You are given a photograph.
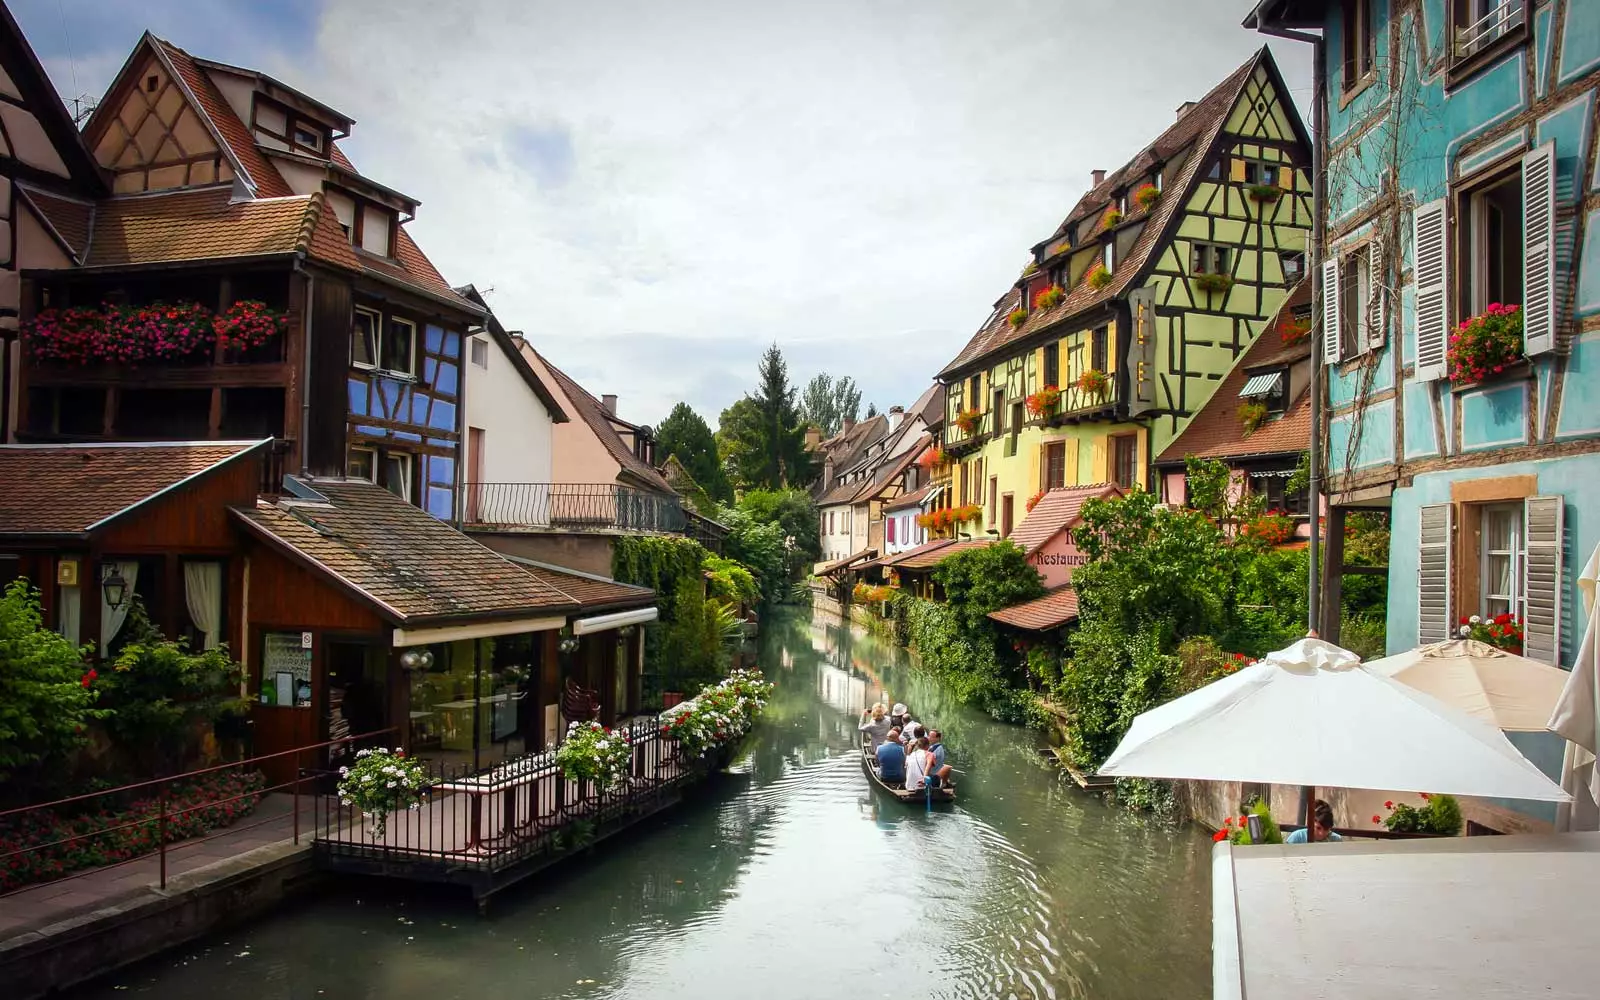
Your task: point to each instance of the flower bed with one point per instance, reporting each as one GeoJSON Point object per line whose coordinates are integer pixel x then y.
{"type": "Point", "coordinates": [1043, 401]}
{"type": "Point", "coordinates": [1051, 296]}
{"type": "Point", "coordinates": [1146, 196]}
{"type": "Point", "coordinates": [380, 783]}
{"type": "Point", "coordinates": [592, 752]}
{"type": "Point", "coordinates": [1098, 277]}
{"type": "Point", "coordinates": [1485, 345]}
{"type": "Point", "coordinates": [57, 844]}
{"type": "Point", "coordinates": [864, 593]}
{"type": "Point", "coordinates": [1503, 631]}
{"type": "Point", "coordinates": [161, 332]}
{"type": "Point", "coordinates": [1094, 382]}
{"type": "Point", "coordinates": [720, 714]}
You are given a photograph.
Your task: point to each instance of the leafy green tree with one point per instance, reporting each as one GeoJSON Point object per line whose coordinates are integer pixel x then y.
{"type": "Point", "coordinates": [828, 403]}
{"type": "Point", "coordinates": [978, 581]}
{"type": "Point", "coordinates": [758, 544]}
{"type": "Point", "coordinates": [47, 695]}
{"type": "Point", "coordinates": [795, 512]}
{"type": "Point", "coordinates": [762, 436]}
{"type": "Point", "coordinates": [687, 436]}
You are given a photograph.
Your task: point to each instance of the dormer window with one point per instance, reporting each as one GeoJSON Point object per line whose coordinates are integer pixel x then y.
{"type": "Point", "coordinates": [1108, 255]}
{"type": "Point", "coordinates": [1122, 202]}
{"type": "Point", "coordinates": [1270, 388]}
{"type": "Point", "coordinates": [309, 138]}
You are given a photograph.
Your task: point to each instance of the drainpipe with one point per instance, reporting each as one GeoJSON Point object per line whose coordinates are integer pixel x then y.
{"type": "Point", "coordinates": [305, 373]}
{"type": "Point", "coordinates": [1319, 194]}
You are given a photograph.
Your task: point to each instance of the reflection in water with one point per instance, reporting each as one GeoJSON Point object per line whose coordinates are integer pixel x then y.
{"type": "Point", "coordinates": [786, 879]}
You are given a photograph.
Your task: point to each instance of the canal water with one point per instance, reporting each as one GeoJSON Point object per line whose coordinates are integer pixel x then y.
{"type": "Point", "coordinates": [787, 878]}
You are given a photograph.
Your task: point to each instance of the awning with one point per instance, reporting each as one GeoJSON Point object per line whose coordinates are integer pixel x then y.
{"type": "Point", "coordinates": [1041, 614]}
{"type": "Point", "coordinates": [1261, 385]}
{"type": "Point", "coordinates": [451, 633]}
{"type": "Point", "coordinates": [619, 619]}
{"type": "Point", "coordinates": [827, 569]}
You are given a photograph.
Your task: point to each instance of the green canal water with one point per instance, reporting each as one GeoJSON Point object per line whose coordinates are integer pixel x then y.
{"type": "Point", "coordinates": [785, 879]}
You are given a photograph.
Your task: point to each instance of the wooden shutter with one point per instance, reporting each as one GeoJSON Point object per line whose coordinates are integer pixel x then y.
{"type": "Point", "coordinates": [1378, 304]}
{"type": "Point", "coordinates": [1332, 343]}
{"type": "Point", "coordinates": [1539, 298]}
{"type": "Point", "coordinates": [1435, 622]}
{"type": "Point", "coordinates": [1431, 272]}
{"type": "Point", "coordinates": [1541, 579]}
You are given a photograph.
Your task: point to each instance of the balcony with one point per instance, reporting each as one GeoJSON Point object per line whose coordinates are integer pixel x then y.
{"type": "Point", "coordinates": [604, 508]}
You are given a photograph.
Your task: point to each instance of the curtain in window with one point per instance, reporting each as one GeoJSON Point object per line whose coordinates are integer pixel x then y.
{"type": "Point", "coordinates": [202, 591]}
{"type": "Point", "coordinates": [111, 619]}
{"type": "Point", "coordinates": [69, 614]}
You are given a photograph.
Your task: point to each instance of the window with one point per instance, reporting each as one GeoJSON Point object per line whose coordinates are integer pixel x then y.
{"type": "Point", "coordinates": [1098, 349]}
{"type": "Point", "coordinates": [976, 388]}
{"type": "Point", "coordinates": [1122, 202]}
{"type": "Point", "coordinates": [1055, 465]}
{"type": "Point", "coordinates": [1478, 24]}
{"type": "Point", "coordinates": [1489, 245]}
{"type": "Point", "coordinates": [997, 412]}
{"type": "Point", "coordinates": [1214, 172]}
{"type": "Point", "coordinates": [399, 346]}
{"type": "Point", "coordinates": [1208, 258]}
{"type": "Point", "coordinates": [1294, 267]}
{"type": "Point", "coordinates": [1052, 366]}
{"type": "Point", "coordinates": [1259, 172]}
{"type": "Point", "coordinates": [362, 463]}
{"type": "Point", "coordinates": [1125, 460]}
{"type": "Point", "coordinates": [364, 338]}
{"type": "Point", "coordinates": [480, 352]}
{"type": "Point", "coordinates": [376, 230]}
{"type": "Point", "coordinates": [1353, 293]}
{"type": "Point", "coordinates": [1270, 487]}
{"type": "Point", "coordinates": [830, 522]}
{"type": "Point", "coordinates": [1356, 38]}
{"type": "Point", "coordinates": [310, 138]}
{"type": "Point", "coordinates": [397, 474]}
{"type": "Point", "coordinates": [1269, 388]}
{"type": "Point", "coordinates": [1108, 255]}
{"type": "Point", "coordinates": [1499, 560]}
{"type": "Point", "coordinates": [994, 497]}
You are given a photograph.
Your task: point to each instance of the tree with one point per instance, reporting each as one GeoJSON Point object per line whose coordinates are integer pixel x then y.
{"type": "Point", "coordinates": [987, 579]}
{"type": "Point", "coordinates": [828, 403]}
{"type": "Point", "coordinates": [47, 694]}
{"type": "Point", "coordinates": [762, 436]}
{"type": "Point", "coordinates": [872, 410]}
{"type": "Point", "coordinates": [740, 443]}
{"type": "Point", "coordinates": [794, 512]}
{"type": "Point", "coordinates": [687, 436]}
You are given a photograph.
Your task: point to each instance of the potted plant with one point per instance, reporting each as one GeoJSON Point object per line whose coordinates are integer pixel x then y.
{"type": "Point", "coordinates": [1439, 815]}
{"type": "Point", "coordinates": [1111, 219]}
{"type": "Point", "coordinates": [1252, 414]}
{"type": "Point", "coordinates": [1146, 196]}
{"type": "Point", "coordinates": [1213, 283]}
{"type": "Point", "coordinates": [1098, 277]}
{"type": "Point", "coordinates": [1094, 382]}
{"type": "Point", "coordinates": [1263, 194]}
{"type": "Point", "coordinates": [967, 420]}
{"type": "Point", "coordinates": [932, 458]}
{"type": "Point", "coordinates": [1503, 631]}
{"type": "Point", "coordinates": [969, 512]}
{"type": "Point", "coordinates": [380, 783]}
{"type": "Point", "coordinates": [246, 325]}
{"type": "Point", "coordinates": [1240, 833]}
{"type": "Point", "coordinates": [1017, 316]}
{"type": "Point", "coordinates": [1486, 346]}
{"type": "Point", "coordinates": [1049, 297]}
{"type": "Point", "coordinates": [1044, 401]}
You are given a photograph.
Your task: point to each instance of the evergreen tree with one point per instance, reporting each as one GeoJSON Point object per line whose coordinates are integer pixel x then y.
{"type": "Point", "coordinates": [762, 436]}
{"type": "Point", "coordinates": [687, 436]}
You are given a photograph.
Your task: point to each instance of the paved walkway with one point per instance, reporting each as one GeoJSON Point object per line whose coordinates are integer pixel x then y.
{"type": "Point", "coordinates": [46, 904]}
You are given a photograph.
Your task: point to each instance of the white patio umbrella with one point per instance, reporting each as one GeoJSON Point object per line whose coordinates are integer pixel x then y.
{"type": "Point", "coordinates": [1577, 715]}
{"type": "Point", "coordinates": [1312, 715]}
{"type": "Point", "coordinates": [1503, 689]}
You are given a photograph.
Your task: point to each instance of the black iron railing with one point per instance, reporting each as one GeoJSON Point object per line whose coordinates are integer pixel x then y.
{"type": "Point", "coordinates": [572, 507]}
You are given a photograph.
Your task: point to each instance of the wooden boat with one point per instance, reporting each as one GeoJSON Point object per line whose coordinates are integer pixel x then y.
{"type": "Point", "coordinates": [869, 766]}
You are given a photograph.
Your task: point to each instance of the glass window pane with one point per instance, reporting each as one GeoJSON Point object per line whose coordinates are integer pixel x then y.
{"type": "Point", "coordinates": [397, 475]}
{"type": "Point", "coordinates": [1497, 573]}
{"type": "Point", "coordinates": [397, 345]}
{"type": "Point", "coordinates": [363, 339]}
{"type": "Point", "coordinates": [1498, 526]}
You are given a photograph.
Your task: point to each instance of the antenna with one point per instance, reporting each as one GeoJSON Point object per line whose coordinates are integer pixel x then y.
{"type": "Point", "coordinates": [82, 107]}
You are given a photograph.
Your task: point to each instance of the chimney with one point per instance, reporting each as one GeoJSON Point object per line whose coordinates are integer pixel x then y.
{"type": "Point", "coordinates": [1099, 177]}
{"type": "Point", "coordinates": [1185, 108]}
{"type": "Point", "coordinates": [608, 403]}
{"type": "Point", "coordinates": [849, 425]}
{"type": "Point", "coordinates": [517, 336]}
{"type": "Point", "coordinates": [896, 414]}
{"type": "Point", "coordinates": [813, 437]}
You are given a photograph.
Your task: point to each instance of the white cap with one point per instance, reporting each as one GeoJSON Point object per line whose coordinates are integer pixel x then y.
{"type": "Point", "coordinates": [899, 709]}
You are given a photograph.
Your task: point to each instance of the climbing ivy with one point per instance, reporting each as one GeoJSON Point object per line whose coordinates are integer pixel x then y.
{"type": "Point", "coordinates": [659, 562]}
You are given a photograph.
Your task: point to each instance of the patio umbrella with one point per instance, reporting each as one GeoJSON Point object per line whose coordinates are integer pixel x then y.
{"type": "Point", "coordinates": [1577, 713]}
{"type": "Point", "coordinates": [1312, 715]}
{"type": "Point", "coordinates": [1503, 689]}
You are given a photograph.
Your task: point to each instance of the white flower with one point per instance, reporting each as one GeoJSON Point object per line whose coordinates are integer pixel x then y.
{"type": "Point", "coordinates": [1466, 630]}
{"type": "Point", "coordinates": [393, 784]}
{"type": "Point", "coordinates": [344, 772]}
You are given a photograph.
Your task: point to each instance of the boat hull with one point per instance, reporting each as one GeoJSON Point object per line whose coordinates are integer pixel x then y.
{"type": "Point", "coordinates": [869, 767]}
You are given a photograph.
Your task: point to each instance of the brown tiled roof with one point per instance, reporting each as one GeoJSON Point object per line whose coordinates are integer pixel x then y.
{"type": "Point", "coordinates": [594, 414]}
{"type": "Point", "coordinates": [53, 489]}
{"type": "Point", "coordinates": [1042, 613]}
{"type": "Point", "coordinates": [1056, 510]}
{"type": "Point", "coordinates": [268, 182]}
{"type": "Point", "coordinates": [1198, 126]}
{"type": "Point", "coordinates": [205, 223]}
{"type": "Point", "coordinates": [928, 556]}
{"type": "Point", "coordinates": [1215, 432]}
{"type": "Point", "coordinates": [912, 499]}
{"type": "Point", "coordinates": [591, 593]}
{"type": "Point", "coordinates": [893, 470]}
{"type": "Point", "coordinates": [823, 569]}
{"type": "Point", "coordinates": [71, 219]}
{"type": "Point", "coordinates": [408, 563]}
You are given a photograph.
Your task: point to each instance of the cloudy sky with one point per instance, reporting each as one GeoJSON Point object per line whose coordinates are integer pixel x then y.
{"type": "Point", "coordinates": [656, 191]}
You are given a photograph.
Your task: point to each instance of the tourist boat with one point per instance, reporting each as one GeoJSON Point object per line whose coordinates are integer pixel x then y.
{"type": "Point", "coordinates": [869, 765]}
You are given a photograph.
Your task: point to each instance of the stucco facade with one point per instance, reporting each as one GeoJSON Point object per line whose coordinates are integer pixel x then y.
{"type": "Point", "coordinates": [509, 429]}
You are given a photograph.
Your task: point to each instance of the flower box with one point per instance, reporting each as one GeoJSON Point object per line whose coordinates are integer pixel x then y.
{"type": "Point", "coordinates": [932, 458]}
{"type": "Point", "coordinates": [1044, 401]}
{"type": "Point", "coordinates": [1051, 296]}
{"type": "Point", "coordinates": [1486, 347]}
{"type": "Point", "coordinates": [1033, 501]}
{"type": "Point", "coordinates": [1098, 277]}
{"type": "Point", "coordinates": [967, 420]}
{"type": "Point", "coordinates": [1263, 194]}
{"type": "Point", "coordinates": [1251, 416]}
{"type": "Point", "coordinates": [1017, 316]}
{"type": "Point", "coordinates": [1094, 383]}
{"type": "Point", "coordinates": [162, 332]}
{"type": "Point", "coordinates": [1213, 284]}
{"type": "Point", "coordinates": [1291, 332]}
{"type": "Point", "coordinates": [1111, 219]}
{"type": "Point", "coordinates": [1147, 196]}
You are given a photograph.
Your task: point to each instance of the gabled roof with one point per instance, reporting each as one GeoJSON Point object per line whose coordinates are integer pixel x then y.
{"type": "Point", "coordinates": [929, 406]}
{"type": "Point", "coordinates": [593, 413]}
{"type": "Point", "coordinates": [1056, 511]}
{"type": "Point", "coordinates": [1197, 130]}
{"type": "Point", "coordinates": [409, 565]}
{"type": "Point", "coordinates": [67, 219]}
{"type": "Point", "coordinates": [32, 85]}
{"type": "Point", "coordinates": [892, 470]}
{"type": "Point", "coordinates": [1215, 432]}
{"type": "Point", "coordinates": [912, 499]}
{"type": "Point", "coordinates": [232, 136]}
{"type": "Point", "coordinates": [826, 569]}
{"type": "Point", "coordinates": [513, 354]}
{"type": "Point", "coordinates": [75, 489]}
{"type": "Point", "coordinates": [1041, 614]}
{"type": "Point", "coordinates": [931, 554]}
{"type": "Point", "coordinates": [339, 120]}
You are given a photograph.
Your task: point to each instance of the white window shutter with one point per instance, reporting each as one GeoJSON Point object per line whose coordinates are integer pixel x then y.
{"type": "Point", "coordinates": [1541, 579]}
{"type": "Point", "coordinates": [1431, 272]}
{"type": "Point", "coordinates": [1332, 344]}
{"type": "Point", "coordinates": [1539, 298]}
{"type": "Point", "coordinates": [1378, 304]}
{"type": "Point", "coordinates": [1436, 538]}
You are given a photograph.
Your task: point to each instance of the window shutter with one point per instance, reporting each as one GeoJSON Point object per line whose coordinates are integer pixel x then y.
{"type": "Point", "coordinates": [1378, 304]}
{"type": "Point", "coordinates": [1541, 579]}
{"type": "Point", "coordinates": [1434, 573]}
{"type": "Point", "coordinates": [1431, 272]}
{"type": "Point", "coordinates": [1331, 345]}
{"type": "Point", "coordinates": [1539, 298]}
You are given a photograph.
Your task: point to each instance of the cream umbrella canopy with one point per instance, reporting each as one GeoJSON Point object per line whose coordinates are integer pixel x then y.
{"type": "Point", "coordinates": [1312, 715]}
{"type": "Point", "coordinates": [1503, 689]}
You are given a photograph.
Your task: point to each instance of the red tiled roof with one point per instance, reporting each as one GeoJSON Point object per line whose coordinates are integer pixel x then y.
{"type": "Point", "coordinates": [592, 593]}
{"type": "Point", "coordinates": [929, 555]}
{"type": "Point", "coordinates": [594, 414]}
{"type": "Point", "coordinates": [911, 499]}
{"type": "Point", "coordinates": [54, 489]}
{"type": "Point", "coordinates": [268, 182]}
{"type": "Point", "coordinates": [1215, 432]}
{"type": "Point", "coordinates": [69, 217]}
{"type": "Point", "coordinates": [1056, 510]}
{"type": "Point", "coordinates": [1042, 613]}
{"type": "Point", "coordinates": [1198, 126]}
{"type": "Point", "coordinates": [399, 557]}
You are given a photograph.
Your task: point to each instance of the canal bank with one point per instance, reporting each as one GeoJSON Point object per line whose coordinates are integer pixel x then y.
{"type": "Point", "coordinates": [790, 878]}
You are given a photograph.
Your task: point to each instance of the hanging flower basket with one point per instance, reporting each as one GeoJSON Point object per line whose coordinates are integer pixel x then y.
{"type": "Point", "coordinates": [1044, 401]}
{"type": "Point", "coordinates": [1017, 317]}
{"type": "Point", "coordinates": [1251, 416]}
{"type": "Point", "coordinates": [1146, 196]}
{"type": "Point", "coordinates": [1098, 276]}
{"type": "Point", "coordinates": [1051, 296]}
{"type": "Point", "coordinates": [1486, 345]}
{"type": "Point", "coordinates": [380, 783]}
{"type": "Point", "coordinates": [1263, 194]}
{"type": "Point", "coordinates": [967, 420]}
{"type": "Point", "coordinates": [1111, 219]}
{"type": "Point", "coordinates": [592, 752]}
{"type": "Point", "coordinates": [1094, 382]}
{"type": "Point", "coordinates": [1033, 501]}
{"type": "Point", "coordinates": [1213, 284]}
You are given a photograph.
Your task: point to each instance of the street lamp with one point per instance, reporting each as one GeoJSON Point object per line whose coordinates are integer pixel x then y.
{"type": "Point", "coordinates": [114, 587]}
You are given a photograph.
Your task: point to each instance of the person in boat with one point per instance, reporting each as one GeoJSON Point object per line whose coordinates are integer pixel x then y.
{"type": "Point", "coordinates": [899, 716]}
{"type": "Point", "coordinates": [891, 759]}
{"type": "Point", "coordinates": [912, 731]}
{"type": "Point", "coordinates": [1322, 824]}
{"type": "Point", "coordinates": [939, 771]}
{"type": "Point", "coordinates": [875, 723]}
{"type": "Point", "coordinates": [918, 764]}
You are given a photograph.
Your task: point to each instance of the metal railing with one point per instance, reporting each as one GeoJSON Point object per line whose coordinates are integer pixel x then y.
{"type": "Point", "coordinates": [573, 507]}
{"type": "Point", "coordinates": [1491, 27]}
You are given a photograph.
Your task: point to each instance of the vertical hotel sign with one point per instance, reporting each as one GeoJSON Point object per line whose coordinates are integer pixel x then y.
{"type": "Point", "coordinates": [1142, 352]}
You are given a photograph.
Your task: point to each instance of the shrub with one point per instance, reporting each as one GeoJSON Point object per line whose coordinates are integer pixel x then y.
{"type": "Point", "coordinates": [1272, 528]}
{"type": "Point", "coordinates": [1483, 346]}
{"type": "Point", "coordinates": [1098, 277]}
{"type": "Point", "coordinates": [731, 582]}
{"type": "Point", "coordinates": [1148, 795]}
{"type": "Point", "coordinates": [986, 579]}
{"type": "Point", "coordinates": [592, 752]}
{"type": "Point", "coordinates": [1440, 816]}
{"type": "Point", "coordinates": [1252, 415]}
{"type": "Point", "coordinates": [47, 696]}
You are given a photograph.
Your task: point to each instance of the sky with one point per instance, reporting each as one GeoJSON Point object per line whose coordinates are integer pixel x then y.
{"type": "Point", "coordinates": [656, 192]}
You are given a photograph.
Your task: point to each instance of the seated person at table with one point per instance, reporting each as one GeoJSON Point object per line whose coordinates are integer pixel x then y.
{"type": "Point", "coordinates": [1322, 821]}
{"type": "Point", "coordinates": [892, 759]}
{"type": "Point", "coordinates": [918, 762]}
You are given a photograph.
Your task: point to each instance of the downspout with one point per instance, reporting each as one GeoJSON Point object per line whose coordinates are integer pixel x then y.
{"type": "Point", "coordinates": [461, 427]}
{"type": "Point", "coordinates": [305, 374]}
{"type": "Point", "coordinates": [1319, 194]}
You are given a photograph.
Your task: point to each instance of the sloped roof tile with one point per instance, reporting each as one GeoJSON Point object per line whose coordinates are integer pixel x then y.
{"type": "Point", "coordinates": [206, 223]}
{"type": "Point", "coordinates": [1042, 613]}
{"type": "Point", "coordinates": [268, 182]}
{"type": "Point", "coordinates": [591, 593]}
{"type": "Point", "coordinates": [71, 218]}
{"type": "Point", "coordinates": [1056, 510]}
